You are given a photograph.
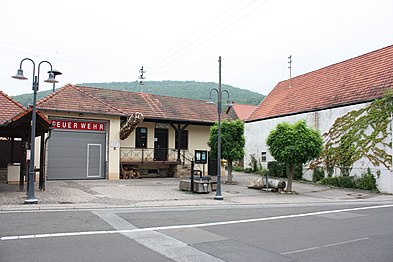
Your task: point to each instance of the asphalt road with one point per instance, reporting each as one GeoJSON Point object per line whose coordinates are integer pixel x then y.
{"type": "Point", "coordinates": [293, 232]}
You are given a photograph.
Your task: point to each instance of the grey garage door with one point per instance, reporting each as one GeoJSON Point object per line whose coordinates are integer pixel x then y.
{"type": "Point", "coordinates": [76, 155]}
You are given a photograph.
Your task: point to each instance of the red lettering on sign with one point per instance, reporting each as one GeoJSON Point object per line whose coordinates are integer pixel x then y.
{"type": "Point", "coordinates": [78, 125]}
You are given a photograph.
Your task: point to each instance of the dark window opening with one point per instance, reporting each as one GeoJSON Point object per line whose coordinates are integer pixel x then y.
{"type": "Point", "coordinates": [183, 140]}
{"type": "Point", "coordinates": [263, 157]}
{"type": "Point", "coordinates": [141, 137]}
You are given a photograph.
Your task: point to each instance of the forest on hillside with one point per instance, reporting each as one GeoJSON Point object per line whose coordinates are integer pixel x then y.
{"type": "Point", "coordinates": [186, 89]}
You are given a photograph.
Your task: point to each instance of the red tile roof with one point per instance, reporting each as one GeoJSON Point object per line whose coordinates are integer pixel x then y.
{"type": "Point", "coordinates": [72, 98]}
{"type": "Point", "coordinates": [243, 111]}
{"type": "Point", "coordinates": [9, 108]}
{"type": "Point", "coordinates": [15, 119]}
{"type": "Point", "coordinates": [359, 79]}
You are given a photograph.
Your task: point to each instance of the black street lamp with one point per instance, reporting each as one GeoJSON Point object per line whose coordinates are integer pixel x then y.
{"type": "Point", "coordinates": [30, 187]}
{"type": "Point", "coordinates": [218, 195]}
{"type": "Point", "coordinates": [55, 73]}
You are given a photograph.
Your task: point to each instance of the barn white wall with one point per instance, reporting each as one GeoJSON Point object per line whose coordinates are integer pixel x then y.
{"type": "Point", "coordinates": [257, 132]}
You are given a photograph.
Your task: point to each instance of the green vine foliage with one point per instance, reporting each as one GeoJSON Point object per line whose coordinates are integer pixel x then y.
{"type": "Point", "coordinates": [360, 133]}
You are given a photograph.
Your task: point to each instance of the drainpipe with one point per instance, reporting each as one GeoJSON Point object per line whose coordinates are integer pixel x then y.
{"type": "Point", "coordinates": [45, 160]}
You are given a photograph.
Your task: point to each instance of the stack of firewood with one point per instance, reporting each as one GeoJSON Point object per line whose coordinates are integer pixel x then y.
{"type": "Point", "coordinates": [129, 173]}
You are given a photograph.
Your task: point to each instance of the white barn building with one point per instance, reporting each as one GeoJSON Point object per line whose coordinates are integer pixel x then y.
{"type": "Point", "coordinates": [320, 97]}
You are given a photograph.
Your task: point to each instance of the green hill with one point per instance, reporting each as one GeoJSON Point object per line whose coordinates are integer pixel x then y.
{"type": "Point", "coordinates": [187, 89]}
{"type": "Point", "coordinates": [27, 99]}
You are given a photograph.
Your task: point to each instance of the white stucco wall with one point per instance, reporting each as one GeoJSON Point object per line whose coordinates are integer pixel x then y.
{"type": "Point", "coordinates": [113, 149]}
{"type": "Point", "coordinates": [257, 132]}
{"type": "Point", "coordinates": [198, 137]}
{"type": "Point", "coordinates": [130, 140]}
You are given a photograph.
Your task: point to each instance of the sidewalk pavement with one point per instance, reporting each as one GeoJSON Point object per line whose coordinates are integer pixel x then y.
{"type": "Point", "coordinates": [164, 192]}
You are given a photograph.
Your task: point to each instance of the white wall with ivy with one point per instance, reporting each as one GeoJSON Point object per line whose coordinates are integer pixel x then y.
{"type": "Point", "coordinates": [257, 132]}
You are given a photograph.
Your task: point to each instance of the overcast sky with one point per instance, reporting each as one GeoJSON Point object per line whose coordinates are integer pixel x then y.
{"type": "Point", "coordinates": [108, 41]}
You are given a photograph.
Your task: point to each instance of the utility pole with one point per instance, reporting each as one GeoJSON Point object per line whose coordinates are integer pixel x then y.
{"type": "Point", "coordinates": [219, 91]}
{"type": "Point", "coordinates": [218, 195]}
{"type": "Point", "coordinates": [141, 77]}
{"type": "Point", "coordinates": [290, 70]}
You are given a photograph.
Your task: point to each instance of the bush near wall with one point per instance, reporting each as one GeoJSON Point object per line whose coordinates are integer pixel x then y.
{"type": "Point", "coordinates": [365, 182]}
{"type": "Point", "coordinates": [277, 169]}
{"type": "Point", "coordinates": [238, 169]}
{"type": "Point", "coordinates": [318, 174]}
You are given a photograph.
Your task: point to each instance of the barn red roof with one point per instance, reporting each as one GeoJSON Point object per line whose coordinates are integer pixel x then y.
{"type": "Point", "coordinates": [356, 80]}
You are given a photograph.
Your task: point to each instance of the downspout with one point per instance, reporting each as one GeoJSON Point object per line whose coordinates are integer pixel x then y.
{"type": "Point", "coordinates": [44, 160]}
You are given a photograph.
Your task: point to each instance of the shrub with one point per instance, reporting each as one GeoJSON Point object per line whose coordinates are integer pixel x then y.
{"type": "Point", "coordinates": [263, 171]}
{"type": "Point", "coordinates": [253, 163]}
{"type": "Point", "coordinates": [346, 181]}
{"type": "Point", "coordinates": [248, 170]}
{"type": "Point", "coordinates": [297, 172]}
{"type": "Point", "coordinates": [238, 168]}
{"type": "Point", "coordinates": [366, 181]}
{"type": "Point", "coordinates": [318, 174]}
{"type": "Point", "coordinates": [339, 181]}
{"type": "Point", "coordinates": [276, 169]}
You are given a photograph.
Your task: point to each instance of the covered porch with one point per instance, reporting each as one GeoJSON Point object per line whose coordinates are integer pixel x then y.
{"type": "Point", "coordinates": [15, 140]}
{"type": "Point", "coordinates": [154, 162]}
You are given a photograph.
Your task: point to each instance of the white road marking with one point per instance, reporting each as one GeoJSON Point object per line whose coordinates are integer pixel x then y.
{"type": "Point", "coordinates": [114, 220]}
{"type": "Point", "coordinates": [167, 246]}
{"type": "Point", "coordinates": [199, 225]}
{"type": "Point", "coordinates": [324, 246]}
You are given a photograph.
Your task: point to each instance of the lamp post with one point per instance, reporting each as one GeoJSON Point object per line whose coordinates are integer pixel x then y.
{"type": "Point", "coordinates": [218, 195]}
{"type": "Point", "coordinates": [30, 186]}
{"type": "Point", "coordinates": [55, 73]}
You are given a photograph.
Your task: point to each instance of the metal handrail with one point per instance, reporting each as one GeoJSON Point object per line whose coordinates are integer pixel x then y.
{"type": "Point", "coordinates": [132, 154]}
{"type": "Point", "coordinates": [146, 155]}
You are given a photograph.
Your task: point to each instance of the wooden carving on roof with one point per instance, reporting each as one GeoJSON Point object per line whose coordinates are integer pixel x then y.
{"type": "Point", "coordinates": [130, 125]}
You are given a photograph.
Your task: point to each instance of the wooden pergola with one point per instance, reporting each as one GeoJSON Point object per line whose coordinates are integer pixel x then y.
{"type": "Point", "coordinates": [19, 127]}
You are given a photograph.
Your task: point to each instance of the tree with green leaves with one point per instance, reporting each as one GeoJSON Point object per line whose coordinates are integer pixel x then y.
{"type": "Point", "coordinates": [232, 142]}
{"type": "Point", "coordinates": [294, 144]}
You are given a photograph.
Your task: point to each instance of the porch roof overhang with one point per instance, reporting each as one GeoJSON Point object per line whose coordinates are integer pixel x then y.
{"type": "Point", "coordinates": [19, 125]}
{"type": "Point", "coordinates": [179, 121]}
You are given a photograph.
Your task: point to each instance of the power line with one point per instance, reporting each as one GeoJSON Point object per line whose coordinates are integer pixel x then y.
{"type": "Point", "coordinates": [192, 36]}
{"type": "Point", "coordinates": [215, 27]}
{"type": "Point", "coordinates": [214, 33]}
